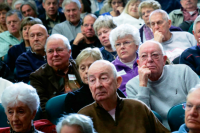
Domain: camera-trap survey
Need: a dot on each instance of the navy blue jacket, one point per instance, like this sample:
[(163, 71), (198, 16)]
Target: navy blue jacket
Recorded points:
[(109, 56)]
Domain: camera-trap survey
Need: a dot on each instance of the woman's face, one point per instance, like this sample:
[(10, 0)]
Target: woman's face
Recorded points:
[(103, 35), (115, 4), (20, 117), (133, 9), (146, 11), (82, 6), (25, 31), (83, 69), (3, 17)]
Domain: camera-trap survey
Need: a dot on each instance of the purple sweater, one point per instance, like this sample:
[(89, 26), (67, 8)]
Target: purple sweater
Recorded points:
[(129, 73)]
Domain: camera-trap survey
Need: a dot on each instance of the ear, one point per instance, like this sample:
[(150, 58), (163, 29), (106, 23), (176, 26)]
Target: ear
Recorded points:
[(43, 5), (138, 62), (70, 52), (164, 59), (33, 115), (170, 23), (137, 46), (193, 32), (119, 81)]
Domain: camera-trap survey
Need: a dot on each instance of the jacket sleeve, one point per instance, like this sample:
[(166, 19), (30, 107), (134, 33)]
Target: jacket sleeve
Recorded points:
[(70, 103)]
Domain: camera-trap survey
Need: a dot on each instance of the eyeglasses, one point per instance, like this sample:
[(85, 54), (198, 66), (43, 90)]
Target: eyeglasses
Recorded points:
[(159, 23), (87, 25), (125, 44), (188, 107), (119, 2), (58, 50), (154, 56)]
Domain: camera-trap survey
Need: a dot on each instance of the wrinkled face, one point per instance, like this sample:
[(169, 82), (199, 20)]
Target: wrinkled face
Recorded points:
[(102, 83), (25, 32), (103, 35), (57, 54), (17, 7), (51, 7), (83, 69), (126, 51), (146, 11), (72, 13), (192, 115), (13, 24), (87, 27), (115, 4), (28, 11), (3, 17), (71, 129), (189, 4), (37, 37), (197, 33), (133, 9), (20, 117)]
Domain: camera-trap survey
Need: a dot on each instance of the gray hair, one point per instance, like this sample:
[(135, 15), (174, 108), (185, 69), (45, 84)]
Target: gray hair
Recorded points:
[(197, 87), (65, 2), (31, 4), (58, 36), (84, 122), (197, 20), (90, 14), (45, 1), (20, 92), (164, 14), (122, 31), (12, 12), (104, 22), (17, 2)]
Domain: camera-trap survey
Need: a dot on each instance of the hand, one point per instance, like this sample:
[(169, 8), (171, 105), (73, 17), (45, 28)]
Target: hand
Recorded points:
[(120, 9), (158, 36), (78, 38), (144, 73)]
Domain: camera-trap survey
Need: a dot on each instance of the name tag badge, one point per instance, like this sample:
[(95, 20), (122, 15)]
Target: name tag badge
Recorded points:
[(71, 77), (120, 73)]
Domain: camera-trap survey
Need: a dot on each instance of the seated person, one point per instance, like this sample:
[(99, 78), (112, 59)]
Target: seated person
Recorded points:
[(102, 27), (76, 100), (192, 112), (4, 8), (29, 8), (158, 85), (109, 112), (75, 123), (5, 72), (125, 39), (4, 83), (31, 60), (191, 55), (86, 38), (60, 74)]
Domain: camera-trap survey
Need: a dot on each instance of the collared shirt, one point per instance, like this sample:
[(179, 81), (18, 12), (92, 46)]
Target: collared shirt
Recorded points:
[(188, 16), (51, 23)]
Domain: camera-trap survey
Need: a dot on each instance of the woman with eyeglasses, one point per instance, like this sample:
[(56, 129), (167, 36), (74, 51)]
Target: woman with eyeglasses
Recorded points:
[(125, 40)]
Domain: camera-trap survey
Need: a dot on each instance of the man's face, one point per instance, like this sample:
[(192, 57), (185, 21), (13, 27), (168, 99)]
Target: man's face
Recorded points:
[(87, 27), (57, 54), (102, 83), (192, 111), (28, 11), (189, 4), (3, 17), (51, 7), (155, 65), (72, 13), (37, 37), (197, 33), (13, 24)]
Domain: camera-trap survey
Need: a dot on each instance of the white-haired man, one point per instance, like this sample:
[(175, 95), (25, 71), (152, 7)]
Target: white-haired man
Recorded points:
[(158, 85), (109, 112)]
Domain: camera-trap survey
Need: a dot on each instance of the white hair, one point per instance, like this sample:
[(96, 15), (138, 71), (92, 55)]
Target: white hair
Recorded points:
[(197, 20), (164, 14), (122, 31), (20, 92), (84, 122), (197, 87), (65, 2)]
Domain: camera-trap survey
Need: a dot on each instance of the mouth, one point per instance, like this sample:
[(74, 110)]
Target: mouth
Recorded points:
[(100, 93), (192, 121)]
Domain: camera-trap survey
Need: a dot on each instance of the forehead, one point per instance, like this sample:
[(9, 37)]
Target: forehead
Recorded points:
[(55, 43), (149, 47), (156, 17), (98, 69), (18, 104), (197, 27), (124, 38), (71, 6), (36, 29), (194, 97), (50, 1), (12, 17), (88, 19), (143, 9), (25, 7)]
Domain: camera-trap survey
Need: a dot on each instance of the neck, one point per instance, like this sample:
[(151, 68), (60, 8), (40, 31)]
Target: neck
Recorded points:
[(17, 35), (129, 59), (148, 24), (53, 17), (4, 27), (40, 52), (191, 9), (194, 131), (115, 14), (75, 23), (109, 48), (167, 37), (27, 44), (109, 104), (90, 40), (155, 77)]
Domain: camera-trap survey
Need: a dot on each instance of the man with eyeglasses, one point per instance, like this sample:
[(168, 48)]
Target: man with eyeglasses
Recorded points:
[(59, 75), (158, 85), (174, 43), (86, 38)]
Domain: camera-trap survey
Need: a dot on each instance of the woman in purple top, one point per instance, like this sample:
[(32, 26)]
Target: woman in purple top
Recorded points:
[(125, 39)]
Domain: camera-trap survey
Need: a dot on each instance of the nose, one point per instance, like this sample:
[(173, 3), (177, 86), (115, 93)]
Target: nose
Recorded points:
[(51, 5), (149, 58), (55, 53), (98, 84), (15, 116), (194, 111)]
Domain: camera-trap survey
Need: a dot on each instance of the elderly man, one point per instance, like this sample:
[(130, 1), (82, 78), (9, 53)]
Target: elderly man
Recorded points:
[(159, 86), (31, 60), (52, 16), (110, 113), (174, 43), (59, 75), (72, 26), (86, 38), (188, 12), (28, 9), (191, 55), (12, 36)]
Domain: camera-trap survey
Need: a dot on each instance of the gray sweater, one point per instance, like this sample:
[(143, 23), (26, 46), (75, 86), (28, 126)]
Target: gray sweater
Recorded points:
[(170, 89)]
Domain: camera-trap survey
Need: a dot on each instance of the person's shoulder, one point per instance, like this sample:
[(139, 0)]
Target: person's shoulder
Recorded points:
[(87, 110), (176, 68), (4, 34), (176, 11), (43, 70), (134, 103), (134, 80)]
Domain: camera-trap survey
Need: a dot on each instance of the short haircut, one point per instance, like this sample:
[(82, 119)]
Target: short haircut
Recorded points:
[(56, 37), (104, 22), (20, 92), (84, 122), (4, 6), (12, 12), (110, 3), (148, 4), (197, 20), (31, 4), (65, 2), (164, 14), (127, 5), (45, 1), (197, 87), (16, 3), (122, 31), (92, 15), (86, 53)]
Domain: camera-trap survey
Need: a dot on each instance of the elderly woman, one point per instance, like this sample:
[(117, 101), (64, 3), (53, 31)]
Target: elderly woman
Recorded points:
[(76, 100), (16, 5), (17, 50), (102, 27), (4, 8), (21, 103), (125, 40), (117, 6), (75, 123), (130, 15)]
